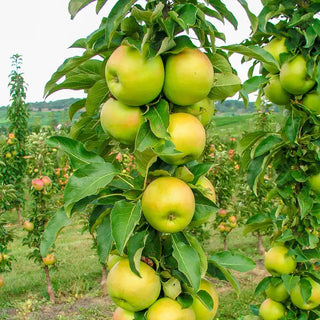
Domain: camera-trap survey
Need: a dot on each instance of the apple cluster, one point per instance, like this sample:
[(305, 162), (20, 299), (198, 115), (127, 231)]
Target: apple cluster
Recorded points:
[(293, 80), (39, 184), (278, 262), (183, 80)]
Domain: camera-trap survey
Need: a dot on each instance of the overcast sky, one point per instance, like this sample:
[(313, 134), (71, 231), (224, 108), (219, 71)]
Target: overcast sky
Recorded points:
[(42, 30)]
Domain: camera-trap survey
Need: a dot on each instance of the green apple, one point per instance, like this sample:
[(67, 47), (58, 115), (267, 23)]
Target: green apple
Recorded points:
[(294, 77), (168, 204), (121, 121), (200, 310), (275, 93), (189, 137), (203, 110), (129, 291), (277, 261), (277, 292), (169, 309), (314, 182), (113, 258), (188, 77), (312, 102), (122, 314), (28, 226), (312, 302), (275, 47), (271, 310), (133, 79)]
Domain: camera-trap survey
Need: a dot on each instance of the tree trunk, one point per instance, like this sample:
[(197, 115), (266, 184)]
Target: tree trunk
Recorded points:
[(225, 243), (262, 250), (19, 215), (49, 287), (104, 280)]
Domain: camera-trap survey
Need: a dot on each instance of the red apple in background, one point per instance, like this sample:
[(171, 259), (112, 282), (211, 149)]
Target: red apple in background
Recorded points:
[(46, 181), (120, 120), (132, 78), (222, 213), (188, 77), (37, 184), (49, 259)]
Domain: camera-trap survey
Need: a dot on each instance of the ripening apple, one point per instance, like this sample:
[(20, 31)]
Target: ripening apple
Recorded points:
[(168, 204), (200, 310), (188, 77), (275, 47), (132, 78), (312, 302), (294, 77), (189, 137), (37, 184), (28, 226), (1, 282), (222, 213), (277, 261), (166, 308), (312, 102), (271, 310), (49, 259), (122, 314), (129, 291), (121, 121), (46, 181), (203, 110), (274, 91), (314, 182), (277, 292)]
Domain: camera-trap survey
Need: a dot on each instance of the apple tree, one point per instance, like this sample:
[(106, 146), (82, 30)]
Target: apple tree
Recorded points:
[(285, 44), (151, 73)]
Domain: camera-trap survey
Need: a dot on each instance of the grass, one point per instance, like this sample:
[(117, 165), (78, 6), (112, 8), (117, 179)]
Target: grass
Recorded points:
[(77, 280)]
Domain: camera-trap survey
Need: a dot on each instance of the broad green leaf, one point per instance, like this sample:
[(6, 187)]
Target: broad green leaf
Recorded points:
[(255, 169), (266, 145), (252, 17), (224, 85), (96, 216), (222, 9), (158, 117), (86, 181), (100, 4), (145, 138), (153, 245), (124, 217), (75, 107), (76, 5), (187, 13), (233, 261), (116, 15), (144, 160), (292, 127), (220, 63), (97, 94), (57, 222), (205, 299), (251, 85), (214, 268), (182, 42), (77, 153), (290, 281), (104, 239), (199, 170), (184, 174), (187, 258), (305, 201), (136, 245), (263, 285)]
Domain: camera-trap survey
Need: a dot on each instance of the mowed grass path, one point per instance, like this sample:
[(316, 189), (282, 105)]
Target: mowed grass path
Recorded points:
[(76, 281)]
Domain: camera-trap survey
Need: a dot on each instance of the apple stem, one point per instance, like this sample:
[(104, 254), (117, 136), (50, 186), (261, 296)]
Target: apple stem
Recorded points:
[(104, 281), (49, 287), (19, 215), (225, 243)]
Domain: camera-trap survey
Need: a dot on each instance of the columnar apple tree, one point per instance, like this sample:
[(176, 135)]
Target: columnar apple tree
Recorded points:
[(286, 41), (151, 72)]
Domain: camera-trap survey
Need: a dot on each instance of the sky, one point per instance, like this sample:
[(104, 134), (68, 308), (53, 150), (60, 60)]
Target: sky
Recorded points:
[(41, 31)]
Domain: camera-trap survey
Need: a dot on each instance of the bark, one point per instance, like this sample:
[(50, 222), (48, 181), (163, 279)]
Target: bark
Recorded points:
[(262, 249), (19, 215), (104, 281), (49, 287), (225, 244)]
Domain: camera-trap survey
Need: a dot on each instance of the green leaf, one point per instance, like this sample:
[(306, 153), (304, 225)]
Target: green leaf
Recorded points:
[(158, 117), (96, 216), (182, 42), (263, 285), (145, 138), (144, 160), (116, 15), (222, 9), (220, 63), (86, 181), (75, 107), (266, 145), (97, 94), (100, 4), (104, 239), (76, 5), (224, 85), (205, 299), (251, 85), (249, 140), (57, 222), (252, 17), (255, 169), (305, 201), (199, 170), (124, 217), (292, 127), (136, 245), (187, 258), (77, 153), (233, 261)]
